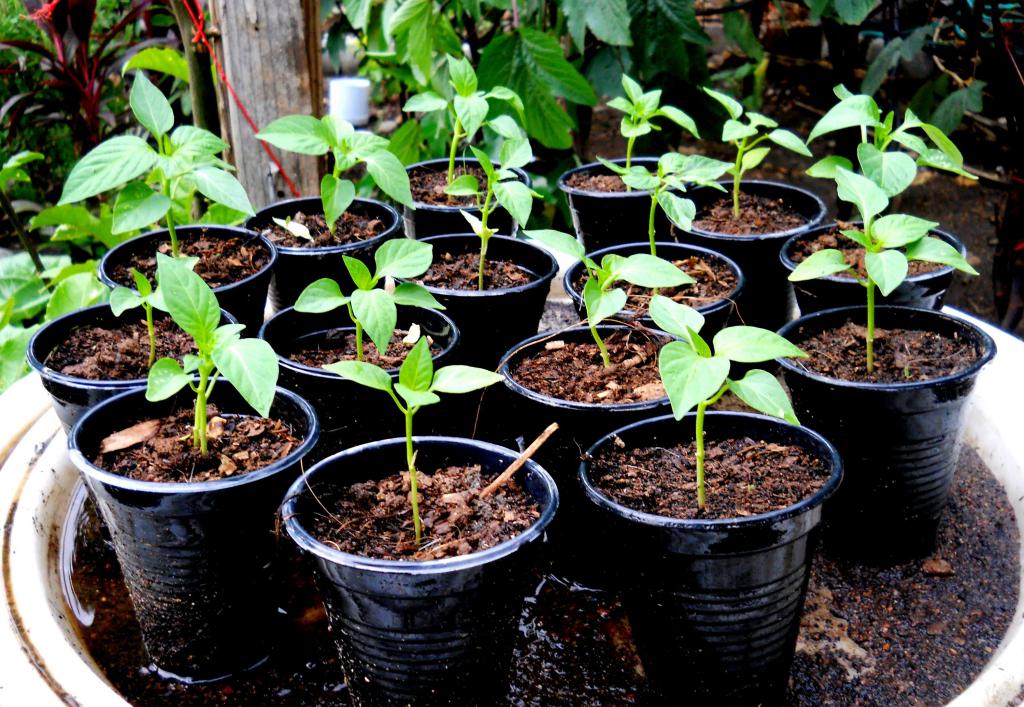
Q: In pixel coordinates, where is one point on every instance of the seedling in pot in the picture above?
(696, 374)
(156, 184)
(468, 109)
(639, 109)
(250, 365)
(370, 308)
(123, 299)
(601, 299)
(306, 135)
(418, 386)
(745, 130)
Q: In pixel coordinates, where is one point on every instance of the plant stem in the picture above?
(629, 156)
(650, 221)
(456, 136)
(199, 430)
(605, 357)
(699, 441)
(359, 331)
(175, 250)
(871, 325)
(485, 235)
(736, 181)
(26, 242)
(152, 332)
(410, 458)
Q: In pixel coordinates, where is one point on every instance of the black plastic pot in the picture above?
(436, 220)
(350, 414)
(438, 632)
(899, 441)
(927, 290)
(768, 299)
(603, 219)
(73, 396)
(490, 322)
(196, 557)
(716, 314)
(714, 604)
(298, 267)
(245, 299)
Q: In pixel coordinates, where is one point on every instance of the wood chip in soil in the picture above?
(340, 345)
(758, 215)
(606, 183)
(852, 252)
(237, 444)
(714, 281)
(118, 353)
(428, 185)
(222, 260)
(459, 272)
(570, 370)
(374, 518)
(350, 228)
(901, 355)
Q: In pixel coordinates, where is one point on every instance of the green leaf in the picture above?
(731, 105)
(471, 112)
(426, 102)
(634, 91)
(601, 304)
(403, 258)
(413, 25)
(463, 379)
(948, 115)
(222, 188)
(190, 301)
(860, 191)
(515, 153)
(138, 206)
(463, 185)
(74, 293)
(162, 59)
(557, 241)
(122, 299)
(165, 379)
(406, 142)
(646, 270)
(251, 367)
(675, 318)
(416, 398)
(110, 164)
(410, 294)
(680, 211)
(752, 158)
(935, 250)
(376, 310)
(150, 107)
(389, 175)
(897, 230)
(892, 171)
(506, 126)
(302, 134)
(417, 371)
(734, 130)
(857, 236)
(363, 373)
(462, 76)
(13, 346)
(336, 195)
(608, 20)
(855, 111)
(888, 269)
(784, 138)
(827, 167)
(639, 178)
(359, 273)
(763, 392)
(320, 296)
(679, 118)
(688, 377)
(854, 12)
(821, 264)
(503, 93)
(196, 142)
(226, 334)
(749, 344)
(738, 30)
(517, 198)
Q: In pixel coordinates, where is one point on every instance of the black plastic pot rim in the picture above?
(88, 383)
(307, 542)
(650, 519)
(793, 366)
(542, 281)
(419, 205)
(775, 235)
(791, 264)
(396, 220)
(163, 234)
(167, 488)
(591, 166)
(525, 392)
(321, 373)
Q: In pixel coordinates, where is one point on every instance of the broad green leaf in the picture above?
(897, 230)
(748, 344)
(416, 398)
(463, 379)
(190, 301)
(675, 318)
(460, 73)
(417, 371)
(196, 142)
(110, 164)
(939, 160)
(320, 296)
(734, 130)
(406, 142)
(647, 270)
(252, 368)
(943, 143)
(753, 158)
(302, 134)
(600, 304)
(13, 346)
(221, 187)
(854, 111)
(826, 168)
(763, 392)
(503, 93)
(632, 128)
(608, 20)
(515, 154)
(731, 105)
(910, 141)
(74, 293)
(403, 258)
(138, 206)
(410, 294)
(697, 168)
(821, 264)
(517, 198)
(363, 373)
(463, 185)
(477, 225)
(389, 175)
(376, 310)
(359, 273)
(150, 107)
(760, 120)
(688, 377)
(947, 115)
(857, 236)
(680, 211)
(162, 59)
(122, 299)
(893, 171)
(426, 102)
(485, 162)
(166, 378)
(634, 91)
(854, 12)
(935, 250)
(336, 195)
(226, 334)
(471, 112)
(679, 118)
(790, 141)
(190, 363)
(506, 127)
(640, 179)
(860, 191)
(557, 241)
(888, 269)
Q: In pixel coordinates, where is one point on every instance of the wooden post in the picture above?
(270, 51)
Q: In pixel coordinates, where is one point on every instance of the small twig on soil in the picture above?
(520, 460)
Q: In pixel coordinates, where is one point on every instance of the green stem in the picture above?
(199, 430)
(413, 486)
(359, 331)
(454, 150)
(605, 357)
(485, 211)
(629, 156)
(152, 332)
(871, 325)
(699, 441)
(650, 221)
(736, 180)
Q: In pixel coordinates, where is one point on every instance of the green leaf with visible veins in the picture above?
(403, 257)
(892, 171)
(166, 378)
(150, 106)
(222, 188)
(336, 195)
(863, 193)
(763, 392)
(463, 379)
(888, 269)
(188, 299)
(251, 367)
(673, 317)
(897, 230)
(748, 344)
(935, 250)
(376, 310)
(362, 373)
(302, 134)
(110, 164)
(138, 206)
(320, 296)
(820, 264)
(601, 305)
(688, 377)
(417, 371)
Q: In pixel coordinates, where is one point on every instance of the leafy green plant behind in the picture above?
(250, 365)
(601, 299)
(639, 110)
(156, 184)
(146, 296)
(307, 135)
(696, 374)
(418, 386)
(370, 308)
(745, 130)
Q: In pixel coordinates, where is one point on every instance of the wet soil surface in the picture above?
(222, 260)
(574, 371)
(340, 345)
(854, 253)
(428, 186)
(743, 477)
(758, 215)
(901, 355)
(714, 282)
(161, 449)
(350, 228)
(585, 181)
(374, 518)
(121, 353)
(912, 634)
(460, 272)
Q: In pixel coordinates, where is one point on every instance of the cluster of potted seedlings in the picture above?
(425, 546)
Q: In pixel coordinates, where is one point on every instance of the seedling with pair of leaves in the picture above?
(468, 109)
(183, 162)
(697, 375)
(418, 386)
(146, 296)
(639, 110)
(745, 130)
(370, 308)
(250, 365)
(306, 135)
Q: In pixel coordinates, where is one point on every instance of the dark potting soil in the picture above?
(222, 260)
(374, 518)
(803, 248)
(119, 353)
(570, 370)
(428, 186)
(585, 181)
(340, 345)
(161, 449)
(350, 228)
(459, 272)
(901, 355)
(758, 215)
(743, 477)
(714, 281)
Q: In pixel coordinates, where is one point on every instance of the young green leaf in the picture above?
(190, 301)
(888, 269)
(675, 318)
(557, 241)
(897, 230)
(647, 270)
(389, 175)
(747, 344)
(302, 134)
(337, 195)
(376, 310)
(680, 211)
(410, 294)
(731, 105)
(688, 377)
(122, 299)
(166, 378)
(826, 168)
(517, 198)
(359, 273)
(217, 185)
(601, 304)
(464, 185)
(320, 296)
(820, 264)
(763, 392)
(863, 193)
(415, 399)
(892, 171)
(788, 140)
(853, 111)
(362, 373)
(108, 165)
(935, 250)
(138, 206)
(426, 102)
(403, 258)
(251, 367)
(417, 371)
(462, 379)
(150, 107)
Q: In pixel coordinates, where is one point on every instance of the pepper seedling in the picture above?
(696, 374)
(468, 109)
(250, 365)
(746, 136)
(418, 386)
(600, 298)
(373, 309)
(639, 109)
(306, 135)
(183, 162)
(149, 298)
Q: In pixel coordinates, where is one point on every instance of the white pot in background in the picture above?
(348, 98)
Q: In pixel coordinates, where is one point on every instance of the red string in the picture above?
(199, 20)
